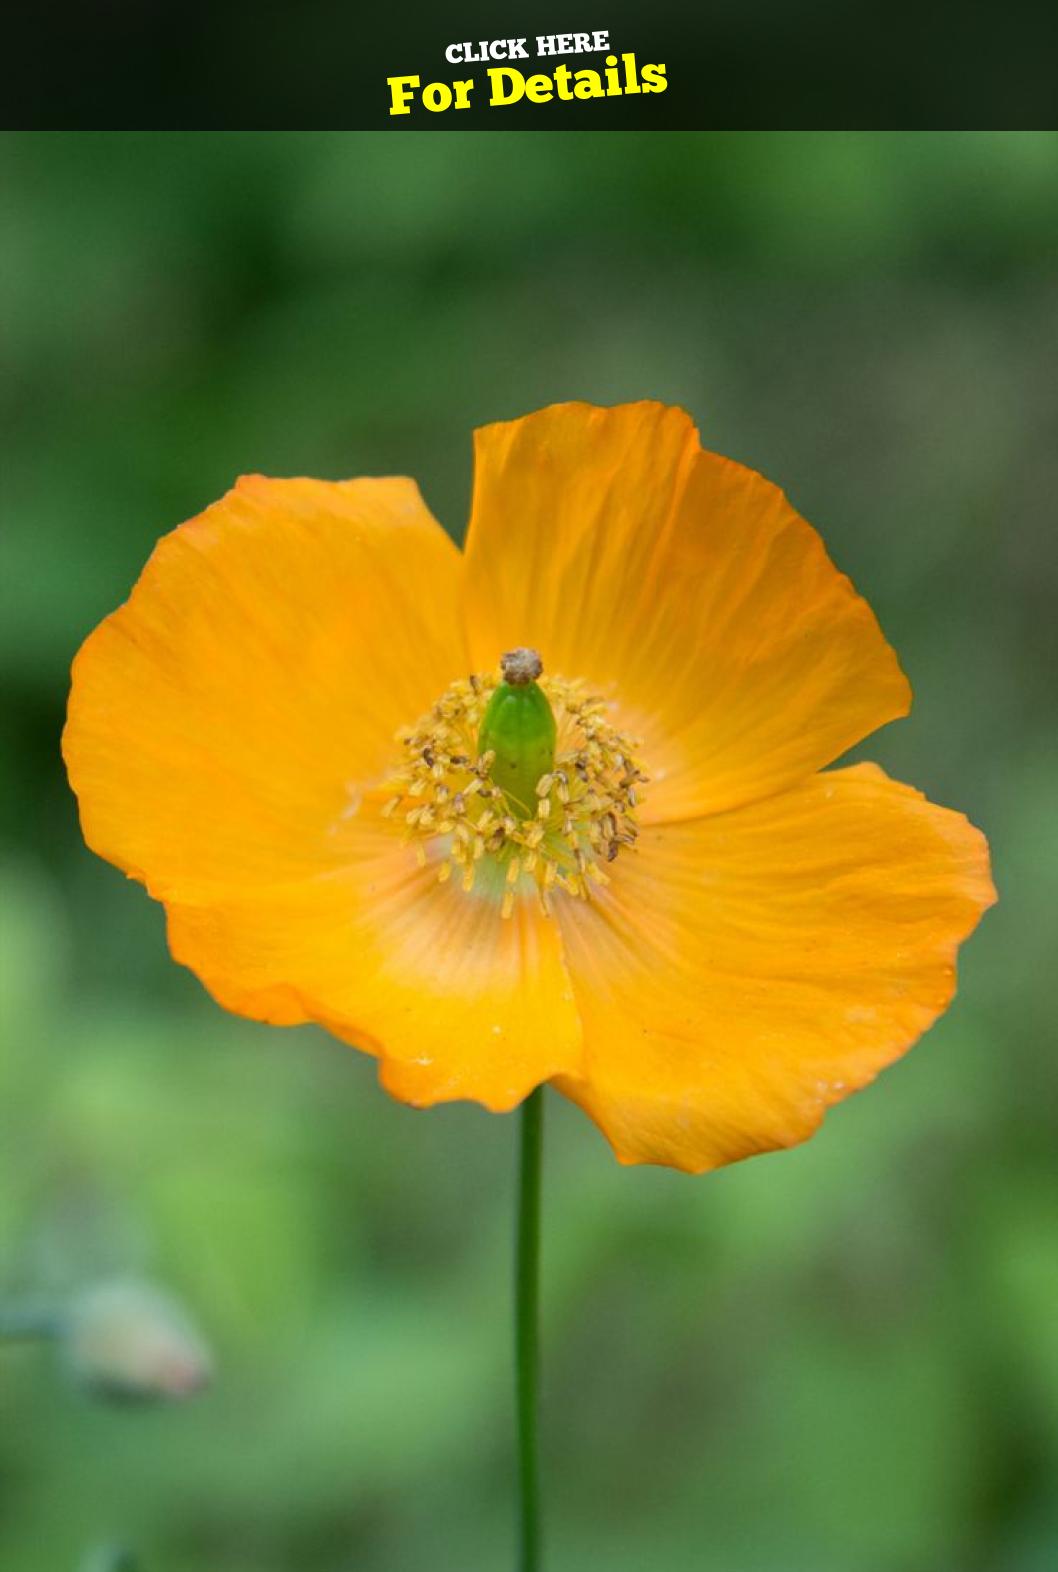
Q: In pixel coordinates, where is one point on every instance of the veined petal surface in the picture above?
(228, 730)
(225, 717)
(455, 1001)
(751, 968)
(685, 588)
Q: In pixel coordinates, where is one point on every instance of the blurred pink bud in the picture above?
(127, 1340)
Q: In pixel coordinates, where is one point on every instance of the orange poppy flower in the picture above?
(684, 926)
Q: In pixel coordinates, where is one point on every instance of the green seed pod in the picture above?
(519, 729)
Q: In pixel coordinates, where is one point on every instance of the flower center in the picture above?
(517, 785)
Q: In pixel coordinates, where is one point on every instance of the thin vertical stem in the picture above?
(526, 1327)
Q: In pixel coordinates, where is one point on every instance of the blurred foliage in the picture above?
(843, 1358)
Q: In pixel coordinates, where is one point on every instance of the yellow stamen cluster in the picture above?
(453, 813)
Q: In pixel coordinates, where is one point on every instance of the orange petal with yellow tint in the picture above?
(684, 587)
(455, 1001)
(228, 728)
(745, 971)
(225, 719)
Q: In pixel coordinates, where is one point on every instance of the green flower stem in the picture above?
(526, 1328)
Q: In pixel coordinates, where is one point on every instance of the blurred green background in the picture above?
(839, 1359)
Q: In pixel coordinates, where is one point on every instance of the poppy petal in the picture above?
(747, 970)
(686, 589)
(456, 1001)
(224, 719)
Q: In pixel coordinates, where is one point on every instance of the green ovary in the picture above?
(519, 728)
